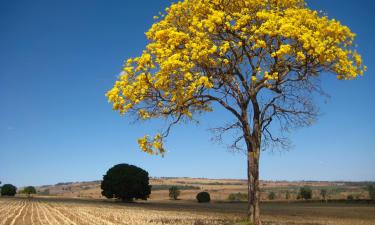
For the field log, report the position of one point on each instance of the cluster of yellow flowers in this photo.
(195, 35)
(152, 145)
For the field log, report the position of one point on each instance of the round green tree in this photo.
(174, 192)
(305, 193)
(271, 196)
(29, 190)
(287, 195)
(203, 197)
(8, 190)
(323, 194)
(126, 182)
(371, 192)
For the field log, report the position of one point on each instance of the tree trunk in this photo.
(253, 186)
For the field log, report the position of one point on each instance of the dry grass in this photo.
(22, 211)
(219, 189)
(54, 211)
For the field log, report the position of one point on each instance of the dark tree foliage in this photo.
(237, 197)
(203, 197)
(350, 197)
(126, 182)
(271, 196)
(29, 190)
(8, 190)
(305, 193)
(371, 192)
(174, 192)
(287, 195)
(324, 194)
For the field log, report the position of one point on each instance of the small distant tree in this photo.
(203, 197)
(271, 195)
(126, 182)
(287, 195)
(305, 193)
(8, 190)
(350, 198)
(237, 197)
(29, 190)
(323, 194)
(371, 192)
(174, 192)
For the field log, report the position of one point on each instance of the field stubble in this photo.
(55, 211)
(22, 211)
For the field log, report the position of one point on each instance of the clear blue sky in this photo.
(58, 58)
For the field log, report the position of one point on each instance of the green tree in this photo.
(8, 190)
(29, 190)
(323, 194)
(126, 182)
(371, 192)
(174, 192)
(237, 197)
(350, 197)
(259, 60)
(305, 193)
(271, 195)
(287, 195)
(203, 197)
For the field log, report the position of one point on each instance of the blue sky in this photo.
(58, 58)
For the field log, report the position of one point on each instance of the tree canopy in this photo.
(126, 182)
(305, 193)
(225, 51)
(29, 190)
(8, 190)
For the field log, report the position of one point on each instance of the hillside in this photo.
(219, 189)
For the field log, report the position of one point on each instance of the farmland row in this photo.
(16, 211)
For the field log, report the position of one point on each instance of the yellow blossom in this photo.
(195, 44)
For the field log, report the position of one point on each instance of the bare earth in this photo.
(55, 211)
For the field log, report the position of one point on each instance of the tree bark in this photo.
(253, 186)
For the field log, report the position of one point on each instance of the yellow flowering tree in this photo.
(259, 59)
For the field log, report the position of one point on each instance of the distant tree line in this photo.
(180, 187)
(128, 182)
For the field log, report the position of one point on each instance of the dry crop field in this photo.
(55, 211)
(23, 211)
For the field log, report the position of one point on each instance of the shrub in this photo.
(203, 197)
(159, 187)
(350, 198)
(323, 194)
(305, 193)
(287, 195)
(271, 195)
(29, 190)
(174, 192)
(126, 182)
(237, 197)
(371, 192)
(8, 190)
